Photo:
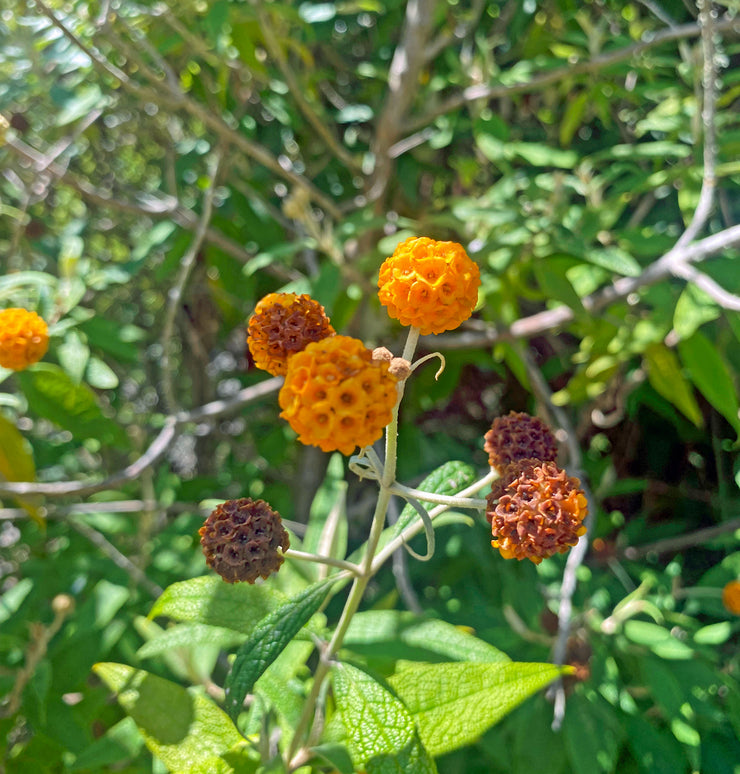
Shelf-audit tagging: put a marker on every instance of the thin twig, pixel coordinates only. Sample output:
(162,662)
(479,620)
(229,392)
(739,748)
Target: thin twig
(156,450)
(622,287)
(543,80)
(175,294)
(120,560)
(679,542)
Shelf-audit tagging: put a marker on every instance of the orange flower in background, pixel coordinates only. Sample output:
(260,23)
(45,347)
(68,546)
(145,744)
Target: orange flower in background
(519,436)
(240,540)
(535,510)
(336,396)
(283,324)
(430,285)
(24,338)
(731,596)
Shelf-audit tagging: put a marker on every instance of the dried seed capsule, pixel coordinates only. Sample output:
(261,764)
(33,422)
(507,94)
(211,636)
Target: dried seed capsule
(336,396)
(24,338)
(429,284)
(283,324)
(240,540)
(535,510)
(519,436)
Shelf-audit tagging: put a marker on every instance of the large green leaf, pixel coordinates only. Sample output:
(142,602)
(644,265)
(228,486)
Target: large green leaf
(592,733)
(667,379)
(268,640)
(381,735)
(190,635)
(209,600)
(182,729)
(712,376)
(52,394)
(16,463)
(400,634)
(454,703)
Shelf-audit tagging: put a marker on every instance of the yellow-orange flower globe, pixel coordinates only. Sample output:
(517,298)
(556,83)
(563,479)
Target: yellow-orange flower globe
(731,596)
(24,338)
(336,397)
(430,285)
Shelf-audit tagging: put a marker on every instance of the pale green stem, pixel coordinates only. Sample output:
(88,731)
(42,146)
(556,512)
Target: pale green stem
(417,526)
(453,501)
(303,556)
(366,568)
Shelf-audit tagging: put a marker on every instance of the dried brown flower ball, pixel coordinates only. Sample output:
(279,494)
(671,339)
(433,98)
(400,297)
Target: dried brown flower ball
(240,540)
(535,510)
(519,436)
(283,324)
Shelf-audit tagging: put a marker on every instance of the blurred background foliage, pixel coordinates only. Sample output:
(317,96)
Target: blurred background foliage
(166,165)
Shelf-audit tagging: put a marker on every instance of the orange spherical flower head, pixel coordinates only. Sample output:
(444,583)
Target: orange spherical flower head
(283,324)
(535,510)
(731,596)
(240,540)
(519,436)
(24,338)
(336,396)
(428,284)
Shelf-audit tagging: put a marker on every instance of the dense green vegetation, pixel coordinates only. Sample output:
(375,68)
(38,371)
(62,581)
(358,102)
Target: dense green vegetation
(166,165)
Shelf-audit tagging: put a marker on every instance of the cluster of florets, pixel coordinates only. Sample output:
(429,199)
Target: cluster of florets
(430,285)
(336,396)
(24,338)
(240,540)
(283,324)
(534,508)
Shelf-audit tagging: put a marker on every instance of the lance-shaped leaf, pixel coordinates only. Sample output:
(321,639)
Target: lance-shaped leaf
(209,600)
(267,641)
(16,463)
(184,730)
(381,734)
(454,703)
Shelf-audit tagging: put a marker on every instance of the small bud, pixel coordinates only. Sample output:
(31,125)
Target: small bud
(400,368)
(382,353)
(63,604)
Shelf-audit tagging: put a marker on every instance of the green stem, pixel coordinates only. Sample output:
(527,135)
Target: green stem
(366,567)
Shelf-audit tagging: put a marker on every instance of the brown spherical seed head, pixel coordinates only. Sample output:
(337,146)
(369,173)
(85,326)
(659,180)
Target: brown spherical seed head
(519,436)
(535,510)
(240,540)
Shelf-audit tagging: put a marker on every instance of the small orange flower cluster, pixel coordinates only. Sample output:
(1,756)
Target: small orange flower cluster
(428,284)
(731,596)
(24,338)
(240,540)
(535,509)
(336,396)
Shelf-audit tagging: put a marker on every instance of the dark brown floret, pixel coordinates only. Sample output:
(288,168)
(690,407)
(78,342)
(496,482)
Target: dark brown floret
(519,436)
(535,510)
(240,540)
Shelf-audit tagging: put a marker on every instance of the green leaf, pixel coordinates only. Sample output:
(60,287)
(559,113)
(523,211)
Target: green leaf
(100,375)
(73,354)
(539,155)
(592,734)
(80,104)
(381,734)
(658,639)
(119,743)
(713,634)
(573,117)
(13,598)
(454,703)
(268,640)
(336,756)
(210,600)
(53,395)
(16,463)
(667,379)
(656,752)
(182,729)
(614,259)
(189,635)
(556,286)
(693,308)
(385,630)
(711,375)
(326,533)
(10,283)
